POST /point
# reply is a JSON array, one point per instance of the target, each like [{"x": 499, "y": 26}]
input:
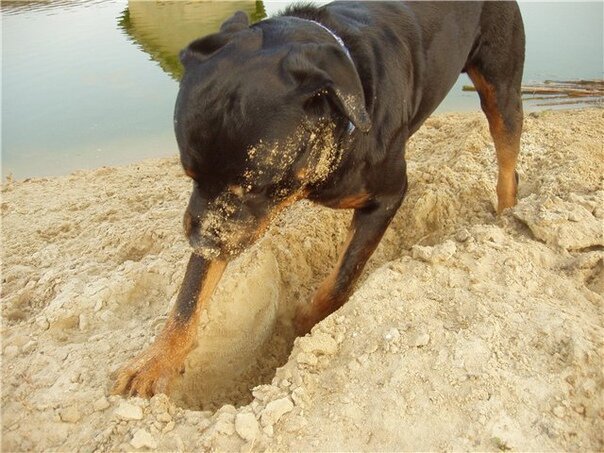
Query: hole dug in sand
[
  {"x": 244, "y": 336},
  {"x": 245, "y": 333}
]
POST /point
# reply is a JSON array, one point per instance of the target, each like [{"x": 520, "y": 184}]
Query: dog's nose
[{"x": 205, "y": 244}]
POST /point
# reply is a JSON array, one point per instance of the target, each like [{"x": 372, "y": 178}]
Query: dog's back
[{"x": 411, "y": 53}]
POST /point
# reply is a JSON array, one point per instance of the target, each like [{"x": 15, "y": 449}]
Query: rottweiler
[{"x": 317, "y": 103}]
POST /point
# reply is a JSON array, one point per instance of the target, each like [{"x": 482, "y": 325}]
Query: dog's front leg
[
  {"x": 365, "y": 232},
  {"x": 154, "y": 369}
]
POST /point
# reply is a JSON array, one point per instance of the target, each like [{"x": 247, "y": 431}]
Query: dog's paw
[{"x": 147, "y": 375}]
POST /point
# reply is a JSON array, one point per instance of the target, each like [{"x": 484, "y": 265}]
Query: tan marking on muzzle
[
  {"x": 190, "y": 173},
  {"x": 266, "y": 221},
  {"x": 187, "y": 223}
]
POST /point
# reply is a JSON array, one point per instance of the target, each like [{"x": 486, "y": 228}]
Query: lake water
[{"x": 93, "y": 83}]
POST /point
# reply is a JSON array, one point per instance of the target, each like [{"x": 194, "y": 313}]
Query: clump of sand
[{"x": 467, "y": 331}]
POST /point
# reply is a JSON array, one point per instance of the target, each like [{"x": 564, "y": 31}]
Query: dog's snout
[
  {"x": 224, "y": 225},
  {"x": 203, "y": 242},
  {"x": 204, "y": 245},
  {"x": 192, "y": 227}
]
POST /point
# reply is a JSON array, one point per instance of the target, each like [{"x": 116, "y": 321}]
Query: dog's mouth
[
  {"x": 211, "y": 246},
  {"x": 225, "y": 240},
  {"x": 207, "y": 253}
]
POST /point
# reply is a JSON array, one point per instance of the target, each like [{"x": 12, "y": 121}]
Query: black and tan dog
[{"x": 318, "y": 103}]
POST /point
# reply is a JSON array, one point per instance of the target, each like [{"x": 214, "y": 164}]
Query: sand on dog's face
[
  {"x": 466, "y": 331},
  {"x": 276, "y": 174}
]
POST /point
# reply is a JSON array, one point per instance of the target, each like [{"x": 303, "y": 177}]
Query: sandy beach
[{"x": 467, "y": 331}]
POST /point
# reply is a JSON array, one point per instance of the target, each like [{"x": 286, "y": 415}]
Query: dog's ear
[
  {"x": 202, "y": 48},
  {"x": 236, "y": 22},
  {"x": 325, "y": 68}
]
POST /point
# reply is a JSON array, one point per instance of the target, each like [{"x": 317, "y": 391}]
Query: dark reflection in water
[{"x": 162, "y": 29}]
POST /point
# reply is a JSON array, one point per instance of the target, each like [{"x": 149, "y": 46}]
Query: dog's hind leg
[{"x": 496, "y": 68}]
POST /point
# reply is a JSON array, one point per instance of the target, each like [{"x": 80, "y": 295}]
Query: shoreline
[{"x": 528, "y": 111}]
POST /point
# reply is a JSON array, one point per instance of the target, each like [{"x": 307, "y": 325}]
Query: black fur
[{"x": 275, "y": 86}]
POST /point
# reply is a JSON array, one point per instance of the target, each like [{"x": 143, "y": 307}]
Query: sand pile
[{"x": 467, "y": 331}]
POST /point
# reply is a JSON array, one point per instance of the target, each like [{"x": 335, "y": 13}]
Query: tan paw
[{"x": 147, "y": 375}]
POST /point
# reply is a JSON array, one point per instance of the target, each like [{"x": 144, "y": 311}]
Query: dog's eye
[{"x": 317, "y": 104}]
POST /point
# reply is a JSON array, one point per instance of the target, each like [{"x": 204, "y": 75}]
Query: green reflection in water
[{"x": 162, "y": 29}]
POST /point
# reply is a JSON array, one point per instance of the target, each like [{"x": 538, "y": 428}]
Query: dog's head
[{"x": 258, "y": 118}]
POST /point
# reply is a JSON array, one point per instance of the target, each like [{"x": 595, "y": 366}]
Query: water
[{"x": 93, "y": 83}]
